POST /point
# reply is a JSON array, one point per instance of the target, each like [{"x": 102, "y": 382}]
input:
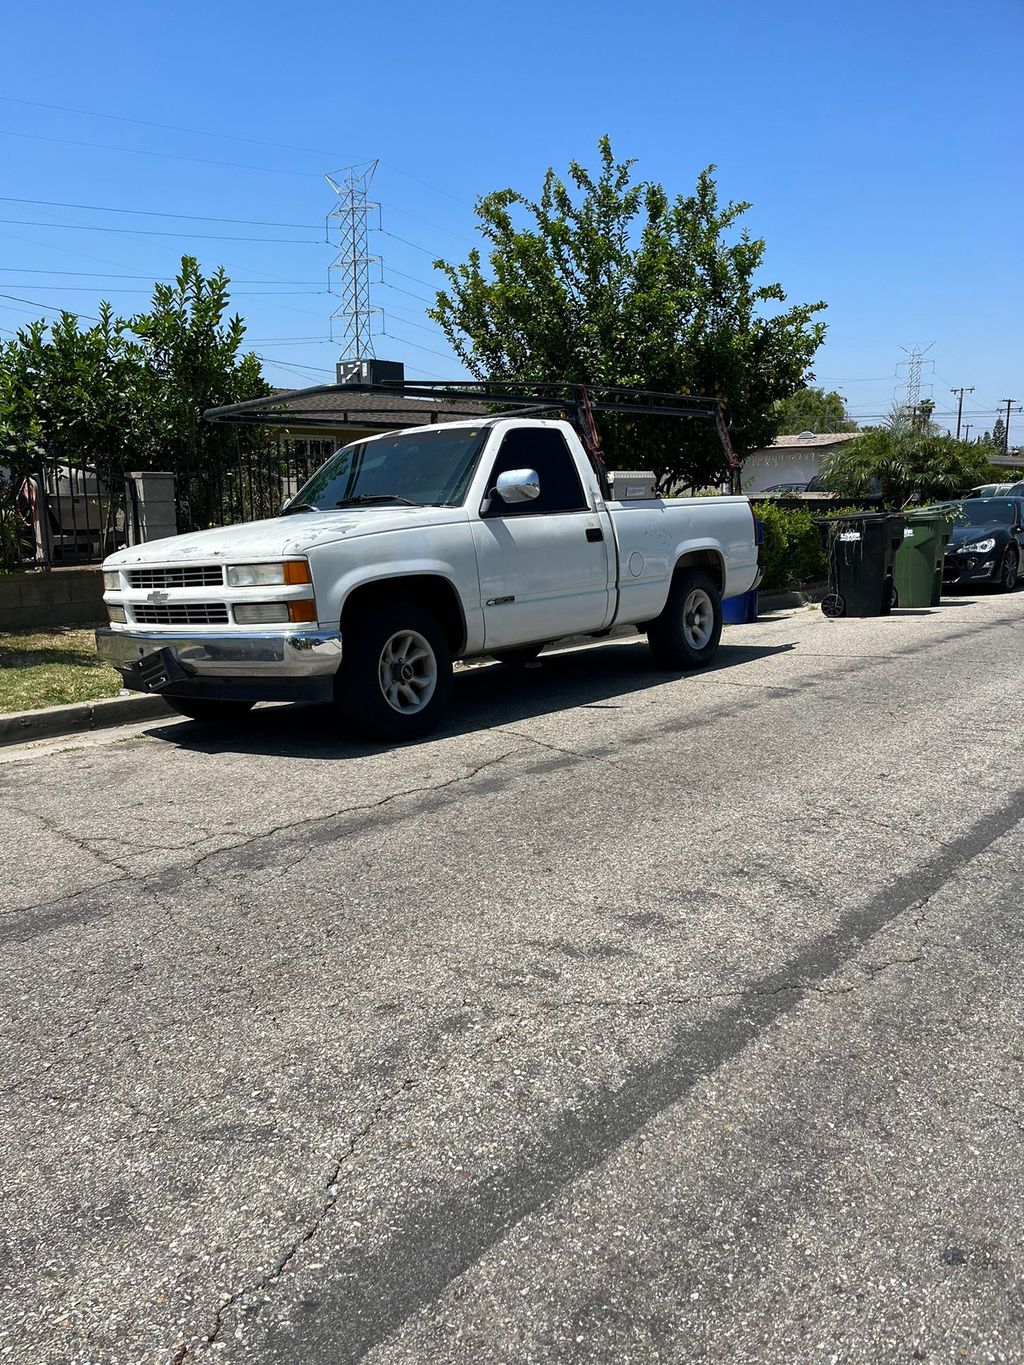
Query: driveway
[{"x": 632, "y": 1018}]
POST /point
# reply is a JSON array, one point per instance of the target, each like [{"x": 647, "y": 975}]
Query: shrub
[{"x": 792, "y": 553}]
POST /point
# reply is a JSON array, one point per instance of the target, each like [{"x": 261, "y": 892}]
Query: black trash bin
[{"x": 861, "y": 548}]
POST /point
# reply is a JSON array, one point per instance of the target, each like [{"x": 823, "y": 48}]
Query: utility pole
[
  {"x": 967, "y": 431},
  {"x": 1006, "y": 433},
  {"x": 960, "y": 406}
]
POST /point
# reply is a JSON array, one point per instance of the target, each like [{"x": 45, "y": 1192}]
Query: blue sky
[{"x": 878, "y": 142}]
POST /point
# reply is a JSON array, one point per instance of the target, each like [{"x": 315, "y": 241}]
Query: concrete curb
[
  {"x": 779, "y": 601},
  {"x": 20, "y": 727}
]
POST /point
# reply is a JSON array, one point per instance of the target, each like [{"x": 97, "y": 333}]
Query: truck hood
[{"x": 279, "y": 537}]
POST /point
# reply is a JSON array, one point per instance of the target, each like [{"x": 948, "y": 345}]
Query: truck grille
[
  {"x": 181, "y": 614},
  {"x": 187, "y": 576}
]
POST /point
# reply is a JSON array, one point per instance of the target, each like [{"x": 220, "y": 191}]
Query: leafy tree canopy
[
  {"x": 607, "y": 280},
  {"x": 813, "y": 409},
  {"x": 130, "y": 393},
  {"x": 904, "y": 458}
]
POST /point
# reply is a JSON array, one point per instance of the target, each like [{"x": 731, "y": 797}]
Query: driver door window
[{"x": 546, "y": 452}]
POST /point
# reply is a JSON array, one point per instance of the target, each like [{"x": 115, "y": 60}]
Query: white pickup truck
[{"x": 411, "y": 549}]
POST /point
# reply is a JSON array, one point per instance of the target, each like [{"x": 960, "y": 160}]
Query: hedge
[{"x": 792, "y": 553}]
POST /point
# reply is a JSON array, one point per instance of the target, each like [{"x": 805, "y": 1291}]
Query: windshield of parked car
[
  {"x": 983, "y": 511},
  {"x": 432, "y": 468}
]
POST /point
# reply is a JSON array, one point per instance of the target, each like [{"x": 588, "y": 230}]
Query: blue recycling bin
[{"x": 740, "y": 611}]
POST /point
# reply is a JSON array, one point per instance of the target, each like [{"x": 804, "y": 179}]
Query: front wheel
[
  {"x": 209, "y": 711},
  {"x": 395, "y": 678},
  {"x": 687, "y": 632},
  {"x": 1008, "y": 571}
]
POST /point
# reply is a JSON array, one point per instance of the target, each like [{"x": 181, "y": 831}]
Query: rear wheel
[
  {"x": 1008, "y": 570},
  {"x": 210, "y": 711},
  {"x": 687, "y": 632},
  {"x": 396, "y": 674}
]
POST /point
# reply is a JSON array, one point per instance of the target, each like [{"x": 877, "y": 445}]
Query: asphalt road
[{"x": 633, "y": 1018}]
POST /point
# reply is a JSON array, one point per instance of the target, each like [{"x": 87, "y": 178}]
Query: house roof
[
  {"x": 811, "y": 440},
  {"x": 338, "y": 406}
]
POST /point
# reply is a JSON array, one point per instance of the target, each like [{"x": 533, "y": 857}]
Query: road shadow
[{"x": 484, "y": 698}]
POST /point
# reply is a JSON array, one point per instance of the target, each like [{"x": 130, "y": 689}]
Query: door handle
[{"x": 594, "y": 533}]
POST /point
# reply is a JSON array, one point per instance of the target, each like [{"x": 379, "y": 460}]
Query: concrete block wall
[{"x": 36, "y": 600}]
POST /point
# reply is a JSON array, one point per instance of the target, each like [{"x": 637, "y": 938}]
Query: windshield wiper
[
  {"x": 299, "y": 507},
  {"x": 367, "y": 498}
]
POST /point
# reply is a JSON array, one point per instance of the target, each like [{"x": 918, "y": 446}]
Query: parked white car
[{"x": 411, "y": 549}]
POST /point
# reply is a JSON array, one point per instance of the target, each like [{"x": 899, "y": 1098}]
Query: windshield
[
  {"x": 983, "y": 511},
  {"x": 432, "y": 468}
]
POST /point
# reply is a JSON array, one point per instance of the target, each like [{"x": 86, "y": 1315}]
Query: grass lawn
[{"x": 49, "y": 668}]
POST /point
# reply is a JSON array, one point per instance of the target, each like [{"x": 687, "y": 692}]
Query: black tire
[
  {"x": 525, "y": 654},
  {"x": 670, "y": 634},
  {"x": 359, "y": 691},
  {"x": 1008, "y": 570},
  {"x": 833, "y": 605},
  {"x": 209, "y": 711}
]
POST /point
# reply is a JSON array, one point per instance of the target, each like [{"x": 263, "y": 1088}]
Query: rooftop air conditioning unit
[{"x": 370, "y": 372}]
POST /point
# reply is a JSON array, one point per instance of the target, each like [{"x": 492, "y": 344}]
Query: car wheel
[
  {"x": 395, "y": 679},
  {"x": 209, "y": 711},
  {"x": 525, "y": 654},
  {"x": 1008, "y": 570},
  {"x": 687, "y": 632}
]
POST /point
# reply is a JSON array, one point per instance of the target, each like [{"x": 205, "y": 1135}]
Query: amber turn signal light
[
  {"x": 296, "y": 571},
  {"x": 304, "y": 610}
]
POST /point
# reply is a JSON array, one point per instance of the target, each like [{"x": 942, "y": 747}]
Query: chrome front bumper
[{"x": 258, "y": 665}]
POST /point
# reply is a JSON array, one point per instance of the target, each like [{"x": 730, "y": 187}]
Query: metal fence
[
  {"x": 249, "y": 485},
  {"x": 56, "y": 512}
]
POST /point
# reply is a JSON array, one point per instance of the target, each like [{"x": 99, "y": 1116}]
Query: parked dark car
[
  {"x": 786, "y": 488},
  {"x": 987, "y": 542}
]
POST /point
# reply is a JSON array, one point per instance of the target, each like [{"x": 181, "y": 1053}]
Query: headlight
[
  {"x": 116, "y": 614},
  {"x": 979, "y": 547},
  {"x": 268, "y": 575},
  {"x": 261, "y": 613},
  {"x": 111, "y": 579}
]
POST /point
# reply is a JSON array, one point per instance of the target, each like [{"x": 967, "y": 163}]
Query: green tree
[
  {"x": 998, "y": 437},
  {"x": 194, "y": 362},
  {"x": 75, "y": 394},
  {"x": 608, "y": 281},
  {"x": 904, "y": 459},
  {"x": 813, "y": 409}
]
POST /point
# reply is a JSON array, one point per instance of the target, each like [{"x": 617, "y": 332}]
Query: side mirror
[
  {"x": 286, "y": 504},
  {"x": 518, "y": 485}
]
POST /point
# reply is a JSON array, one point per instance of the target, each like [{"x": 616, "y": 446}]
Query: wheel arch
[
  {"x": 431, "y": 592},
  {"x": 706, "y": 557}
]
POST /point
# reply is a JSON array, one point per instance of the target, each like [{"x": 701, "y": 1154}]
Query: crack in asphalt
[
  {"x": 332, "y": 1190},
  {"x": 430, "y": 1244}
]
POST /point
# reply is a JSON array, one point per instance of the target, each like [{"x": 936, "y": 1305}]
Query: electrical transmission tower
[
  {"x": 351, "y": 219},
  {"x": 914, "y": 362}
]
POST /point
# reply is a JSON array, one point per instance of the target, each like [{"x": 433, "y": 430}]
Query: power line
[
  {"x": 143, "y": 151},
  {"x": 417, "y": 347},
  {"x": 110, "y": 275},
  {"x": 415, "y": 245},
  {"x": 154, "y": 232},
  {"x": 334, "y": 156},
  {"x": 153, "y": 213}
]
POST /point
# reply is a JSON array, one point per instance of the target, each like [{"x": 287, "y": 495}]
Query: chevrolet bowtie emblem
[{"x": 158, "y": 596}]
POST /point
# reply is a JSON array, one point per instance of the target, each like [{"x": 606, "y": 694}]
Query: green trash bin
[{"x": 917, "y": 571}]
